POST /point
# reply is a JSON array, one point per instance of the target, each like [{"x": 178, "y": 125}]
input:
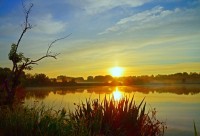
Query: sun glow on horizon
[{"x": 116, "y": 71}]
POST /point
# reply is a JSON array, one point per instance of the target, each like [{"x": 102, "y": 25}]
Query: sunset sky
[{"x": 143, "y": 37}]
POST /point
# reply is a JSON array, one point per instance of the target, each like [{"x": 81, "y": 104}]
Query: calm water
[{"x": 177, "y": 105}]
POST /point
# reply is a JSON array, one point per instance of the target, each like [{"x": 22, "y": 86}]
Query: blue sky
[{"x": 142, "y": 36}]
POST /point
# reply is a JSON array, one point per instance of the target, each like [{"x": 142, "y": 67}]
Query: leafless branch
[
  {"x": 27, "y": 25},
  {"x": 48, "y": 54},
  {"x": 51, "y": 44}
]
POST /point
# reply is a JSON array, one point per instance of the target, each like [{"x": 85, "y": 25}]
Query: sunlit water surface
[{"x": 177, "y": 105}]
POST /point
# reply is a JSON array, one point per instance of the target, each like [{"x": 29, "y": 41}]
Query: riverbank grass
[{"x": 90, "y": 118}]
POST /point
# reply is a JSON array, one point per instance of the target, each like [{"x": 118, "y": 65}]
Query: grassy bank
[{"x": 91, "y": 118}]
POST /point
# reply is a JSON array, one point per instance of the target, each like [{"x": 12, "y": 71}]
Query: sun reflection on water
[{"x": 117, "y": 94}]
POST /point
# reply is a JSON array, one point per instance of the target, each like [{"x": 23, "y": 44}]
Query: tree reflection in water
[{"x": 42, "y": 92}]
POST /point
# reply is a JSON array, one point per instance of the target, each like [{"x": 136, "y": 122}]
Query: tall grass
[
  {"x": 34, "y": 121},
  {"x": 195, "y": 130},
  {"x": 92, "y": 118},
  {"x": 115, "y": 118}
]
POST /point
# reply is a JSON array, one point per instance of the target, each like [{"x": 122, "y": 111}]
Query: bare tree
[{"x": 20, "y": 62}]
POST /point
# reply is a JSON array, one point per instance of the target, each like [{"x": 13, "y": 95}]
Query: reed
[
  {"x": 111, "y": 117},
  {"x": 90, "y": 118},
  {"x": 33, "y": 121},
  {"x": 195, "y": 130}
]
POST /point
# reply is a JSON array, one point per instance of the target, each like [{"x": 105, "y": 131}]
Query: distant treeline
[{"x": 44, "y": 80}]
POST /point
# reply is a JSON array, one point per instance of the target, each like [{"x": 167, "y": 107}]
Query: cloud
[
  {"x": 47, "y": 25},
  {"x": 8, "y": 29},
  {"x": 152, "y": 18},
  {"x": 99, "y": 6},
  {"x": 163, "y": 69},
  {"x": 44, "y": 23},
  {"x": 9, "y": 25}
]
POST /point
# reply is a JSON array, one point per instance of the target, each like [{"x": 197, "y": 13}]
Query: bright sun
[{"x": 116, "y": 71}]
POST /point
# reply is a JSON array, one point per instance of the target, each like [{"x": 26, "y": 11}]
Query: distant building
[
  {"x": 62, "y": 78},
  {"x": 90, "y": 78},
  {"x": 79, "y": 79}
]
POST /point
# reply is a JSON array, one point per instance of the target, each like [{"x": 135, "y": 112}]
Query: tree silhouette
[{"x": 19, "y": 61}]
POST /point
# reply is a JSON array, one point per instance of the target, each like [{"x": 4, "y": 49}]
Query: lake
[{"x": 177, "y": 105}]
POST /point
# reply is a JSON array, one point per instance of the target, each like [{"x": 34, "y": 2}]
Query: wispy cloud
[
  {"x": 8, "y": 25},
  {"x": 48, "y": 25},
  {"x": 99, "y": 6},
  {"x": 164, "y": 69},
  {"x": 155, "y": 17}
]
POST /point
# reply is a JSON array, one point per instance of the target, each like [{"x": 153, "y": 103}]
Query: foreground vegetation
[{"x": 92, "y": 118}]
